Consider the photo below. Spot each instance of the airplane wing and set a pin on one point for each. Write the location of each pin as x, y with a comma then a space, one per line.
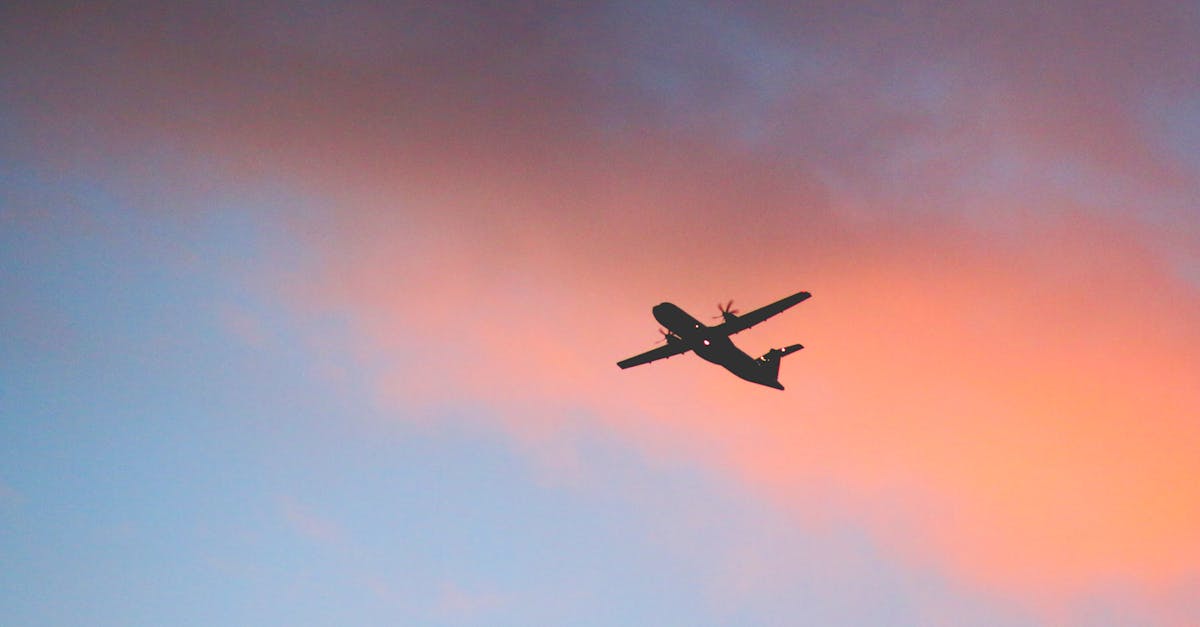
745, 321
662, 352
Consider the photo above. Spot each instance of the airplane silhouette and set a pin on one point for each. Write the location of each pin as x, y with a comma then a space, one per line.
684, 333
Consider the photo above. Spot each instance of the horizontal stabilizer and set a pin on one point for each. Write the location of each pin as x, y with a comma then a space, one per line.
769, 362
790, 349
776, 353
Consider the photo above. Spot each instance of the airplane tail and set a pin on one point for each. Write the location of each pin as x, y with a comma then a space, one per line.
770, 359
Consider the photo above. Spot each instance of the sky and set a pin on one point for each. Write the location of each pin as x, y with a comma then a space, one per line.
311, 312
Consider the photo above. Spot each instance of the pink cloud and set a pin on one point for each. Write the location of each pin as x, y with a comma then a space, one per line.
242, 324
1014, 411
310, 524
457, 604
1000, 368
9, 496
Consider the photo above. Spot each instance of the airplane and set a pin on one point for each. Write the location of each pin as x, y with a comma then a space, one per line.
684, 333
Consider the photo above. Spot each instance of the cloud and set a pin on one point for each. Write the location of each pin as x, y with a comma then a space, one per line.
242, 324
9, 496
456, 604
310, 524
1001, 349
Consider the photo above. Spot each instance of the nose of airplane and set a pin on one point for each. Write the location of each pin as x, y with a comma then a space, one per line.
661, 314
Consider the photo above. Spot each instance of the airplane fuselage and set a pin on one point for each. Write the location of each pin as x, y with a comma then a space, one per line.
714, 346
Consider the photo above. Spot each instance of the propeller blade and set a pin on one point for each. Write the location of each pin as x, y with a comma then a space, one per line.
726, 310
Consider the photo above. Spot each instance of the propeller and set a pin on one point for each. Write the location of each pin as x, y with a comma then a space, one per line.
668, 337
727, 311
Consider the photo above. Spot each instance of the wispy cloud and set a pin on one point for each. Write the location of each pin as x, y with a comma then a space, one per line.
242, 324
310, 524
9, 495
457, 604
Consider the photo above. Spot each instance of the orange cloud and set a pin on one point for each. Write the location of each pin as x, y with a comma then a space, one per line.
1000, 372
1016, 412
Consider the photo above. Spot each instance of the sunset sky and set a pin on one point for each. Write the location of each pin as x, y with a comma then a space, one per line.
310, 313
